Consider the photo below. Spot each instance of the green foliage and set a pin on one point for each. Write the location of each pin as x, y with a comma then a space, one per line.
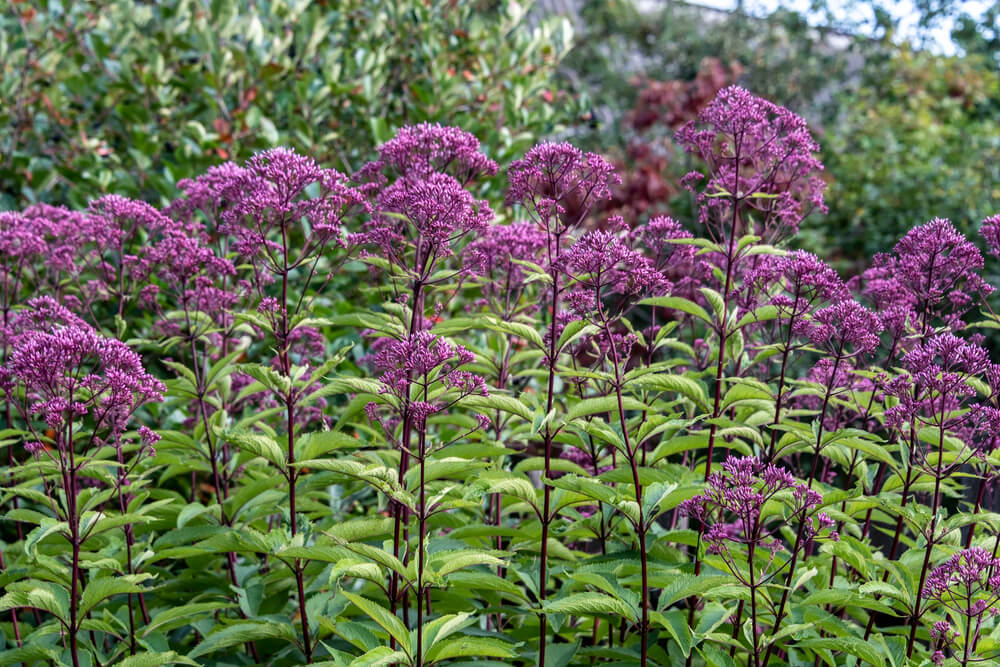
130, 97
917, 141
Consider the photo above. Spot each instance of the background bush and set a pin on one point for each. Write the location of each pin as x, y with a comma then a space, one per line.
130, 97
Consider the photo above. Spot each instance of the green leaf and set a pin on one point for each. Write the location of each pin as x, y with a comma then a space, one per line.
462, 647
678, 303
29, 654
155, 660
187, 614
317, 443
257, 444
41, 595
602, 404
377, 657
267, 376
456, 560
852, 645
382, 617
104, 587
590, 604
500, 402
510, 485
679, 384
524, 331
242, 633
675, 621
682, 586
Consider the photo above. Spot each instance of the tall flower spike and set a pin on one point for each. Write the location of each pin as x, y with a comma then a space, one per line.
760, 159
559, 184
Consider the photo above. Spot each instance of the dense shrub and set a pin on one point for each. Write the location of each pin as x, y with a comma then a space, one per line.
131, 97
300, 416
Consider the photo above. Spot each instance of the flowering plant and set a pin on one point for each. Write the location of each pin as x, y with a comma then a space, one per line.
300, 417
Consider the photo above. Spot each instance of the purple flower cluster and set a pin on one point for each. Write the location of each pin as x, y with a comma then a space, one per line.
793, 283
990, 231
273, 196
940, 369
495, 255
422, 207
602, 264
931, 275
844, 329
740, 491
679, 263
967, 585
419, 151
415, 369
760, 158
67, 372
558, 185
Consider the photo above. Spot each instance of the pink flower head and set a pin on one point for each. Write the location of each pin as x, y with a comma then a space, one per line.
205, 195
601, 263
934, 268
67, 372
678, 262
22, 246
418, 151
967, 583
558, 182
423, 364
990, 231
844, 329
279, 191
760, 159
739, 491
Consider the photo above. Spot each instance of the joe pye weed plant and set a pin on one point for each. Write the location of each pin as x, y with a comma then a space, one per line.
298, 416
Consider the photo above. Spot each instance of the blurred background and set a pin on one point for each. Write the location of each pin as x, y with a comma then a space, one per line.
129, 96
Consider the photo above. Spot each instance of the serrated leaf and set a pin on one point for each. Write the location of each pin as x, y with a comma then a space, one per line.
463, 647
242, 633
105, 587
678, 303
852, 645
257, 444
602, 404
382, 617
590, 604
